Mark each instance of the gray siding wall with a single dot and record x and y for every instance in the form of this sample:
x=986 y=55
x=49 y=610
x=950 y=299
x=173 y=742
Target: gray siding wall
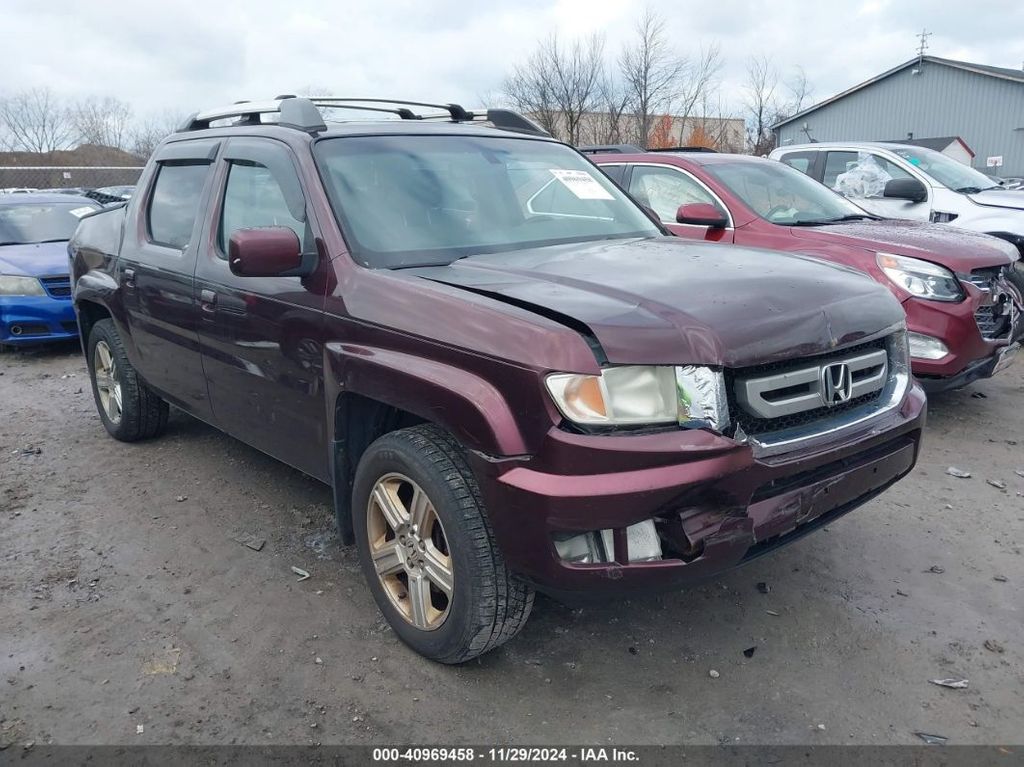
x=987 y=112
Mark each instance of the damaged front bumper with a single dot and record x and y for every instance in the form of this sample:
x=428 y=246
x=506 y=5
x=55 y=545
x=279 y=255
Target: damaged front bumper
x=713 y=502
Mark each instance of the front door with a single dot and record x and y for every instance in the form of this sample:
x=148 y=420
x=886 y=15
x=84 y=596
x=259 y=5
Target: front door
x=262 y=337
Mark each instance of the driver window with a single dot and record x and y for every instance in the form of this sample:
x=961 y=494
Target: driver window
x=253 y=198
x=860 y=175
x=663 y=190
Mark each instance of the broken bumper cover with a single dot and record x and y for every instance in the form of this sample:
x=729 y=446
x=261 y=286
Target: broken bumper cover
x=731 y=505
x=970 y=355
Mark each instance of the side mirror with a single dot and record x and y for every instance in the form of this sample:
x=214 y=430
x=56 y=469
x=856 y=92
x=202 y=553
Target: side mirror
x=272 y=251
x=702 y=214
x=905 y=189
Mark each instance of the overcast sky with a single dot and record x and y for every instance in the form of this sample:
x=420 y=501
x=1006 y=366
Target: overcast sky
x=184 y=55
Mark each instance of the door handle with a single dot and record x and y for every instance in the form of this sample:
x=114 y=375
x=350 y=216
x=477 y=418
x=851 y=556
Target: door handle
x=128 y=277
x=207 y=300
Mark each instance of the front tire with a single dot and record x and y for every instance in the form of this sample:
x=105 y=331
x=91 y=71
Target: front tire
x=129 y=409
x=427 y=550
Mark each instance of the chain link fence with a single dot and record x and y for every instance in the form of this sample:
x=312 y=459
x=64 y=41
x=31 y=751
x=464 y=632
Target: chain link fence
x=16 y=179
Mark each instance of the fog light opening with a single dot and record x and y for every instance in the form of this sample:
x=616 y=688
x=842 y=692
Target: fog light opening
x=924 y=347
x=598 y=546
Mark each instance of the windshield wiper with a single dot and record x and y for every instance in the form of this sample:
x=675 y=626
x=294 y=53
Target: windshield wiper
x=56 y=239
x=974 y=189
x=827 y=221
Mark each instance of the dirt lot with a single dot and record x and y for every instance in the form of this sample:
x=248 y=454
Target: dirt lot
x=130 y=613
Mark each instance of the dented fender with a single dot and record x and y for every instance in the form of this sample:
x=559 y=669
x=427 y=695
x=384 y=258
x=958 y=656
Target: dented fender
x=467 y=405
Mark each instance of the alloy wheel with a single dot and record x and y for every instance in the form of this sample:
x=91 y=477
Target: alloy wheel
x=108 y=383
x=410 y=551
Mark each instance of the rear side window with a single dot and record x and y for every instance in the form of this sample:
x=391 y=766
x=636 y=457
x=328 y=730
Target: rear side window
x=175 y=203
x=799 y=160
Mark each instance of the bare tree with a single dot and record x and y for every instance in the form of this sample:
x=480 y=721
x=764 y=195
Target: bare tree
x=800 y=90
x=651 y=73
x=103 y=121
x=760 y=103
x=148 y=134
x=35 y=120
x=559 y=86
x=698 y=81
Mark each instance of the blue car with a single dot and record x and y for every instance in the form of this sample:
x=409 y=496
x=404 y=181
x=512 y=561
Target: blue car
x=35 y=291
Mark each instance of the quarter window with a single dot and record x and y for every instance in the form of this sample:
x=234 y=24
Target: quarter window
x=800 y=160
x=663 y=190
x=175 y=203
x=253 y=198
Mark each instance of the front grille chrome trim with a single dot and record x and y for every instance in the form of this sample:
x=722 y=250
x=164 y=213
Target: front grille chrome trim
x=869 y=372
x=848 y=422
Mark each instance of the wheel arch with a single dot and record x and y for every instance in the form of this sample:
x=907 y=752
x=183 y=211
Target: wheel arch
x=374 y=391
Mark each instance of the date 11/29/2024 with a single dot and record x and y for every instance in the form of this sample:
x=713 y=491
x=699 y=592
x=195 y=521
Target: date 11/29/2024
x=504 y=754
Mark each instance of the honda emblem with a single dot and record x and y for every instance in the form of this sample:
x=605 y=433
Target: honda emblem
x=836 y=384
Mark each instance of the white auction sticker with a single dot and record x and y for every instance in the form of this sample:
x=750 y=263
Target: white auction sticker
x=79 y=212
x=581 y=184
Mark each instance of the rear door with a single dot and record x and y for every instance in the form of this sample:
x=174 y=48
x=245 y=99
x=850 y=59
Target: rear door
x=155 y=272
x=663 y=188
x=861 y=176
x=262 y=337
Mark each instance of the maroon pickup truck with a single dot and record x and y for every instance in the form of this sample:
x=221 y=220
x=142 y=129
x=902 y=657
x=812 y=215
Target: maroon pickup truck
x=511 y=377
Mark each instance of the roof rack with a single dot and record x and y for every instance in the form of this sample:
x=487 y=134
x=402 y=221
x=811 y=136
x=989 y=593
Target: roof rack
x=303 y=113
x=610 y=149
x=684 y=149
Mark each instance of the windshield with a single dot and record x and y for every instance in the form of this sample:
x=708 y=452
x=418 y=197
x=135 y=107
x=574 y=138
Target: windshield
x=425 y=200
x=27 y=223
x=946 y=170
x=783 y=195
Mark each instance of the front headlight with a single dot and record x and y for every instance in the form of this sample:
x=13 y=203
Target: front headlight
x=20 y=286
x=920 y=278
x=636 y=395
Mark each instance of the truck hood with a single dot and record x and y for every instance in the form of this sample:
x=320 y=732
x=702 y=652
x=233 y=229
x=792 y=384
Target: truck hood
x=668 y=301
x=1000 y=198
x=956 y=249
x=44 y=259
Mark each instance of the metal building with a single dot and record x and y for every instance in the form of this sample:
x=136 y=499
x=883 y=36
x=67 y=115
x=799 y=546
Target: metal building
x=924 y=98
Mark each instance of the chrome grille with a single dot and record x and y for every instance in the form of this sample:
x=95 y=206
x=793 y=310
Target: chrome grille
x=795 y=393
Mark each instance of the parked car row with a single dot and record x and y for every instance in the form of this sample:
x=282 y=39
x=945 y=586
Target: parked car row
x=513 y=374
x=961 y=290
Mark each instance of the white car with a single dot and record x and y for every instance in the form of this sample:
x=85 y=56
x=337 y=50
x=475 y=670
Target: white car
x=905 y=181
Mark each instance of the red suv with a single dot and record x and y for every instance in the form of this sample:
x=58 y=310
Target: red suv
x=509 y=375
x=962 y=291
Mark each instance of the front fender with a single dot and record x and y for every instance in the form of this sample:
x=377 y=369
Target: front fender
x=467 y=405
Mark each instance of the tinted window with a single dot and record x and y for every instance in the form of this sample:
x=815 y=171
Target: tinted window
x=254 y=198
x=49 y=222
x=799 y=160
x=410 y=200
x=615 y=172
x=663 y=190
x=860 y=175
x=175 y=202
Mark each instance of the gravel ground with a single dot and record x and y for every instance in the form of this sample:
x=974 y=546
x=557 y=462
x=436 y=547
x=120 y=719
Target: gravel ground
x=131 y=613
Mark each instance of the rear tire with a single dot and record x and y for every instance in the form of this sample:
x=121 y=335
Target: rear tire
x=129 y=409
x=424 y=468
